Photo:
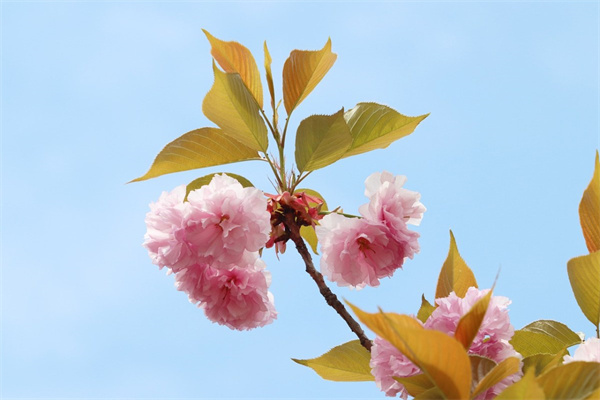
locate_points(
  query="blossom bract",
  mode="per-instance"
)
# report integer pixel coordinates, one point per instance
(589, 350)
(357, 252)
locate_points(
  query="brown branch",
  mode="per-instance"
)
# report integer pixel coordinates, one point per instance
(330, 297)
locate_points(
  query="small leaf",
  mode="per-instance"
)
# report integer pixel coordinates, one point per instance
(235, 58)
(205, 147)
(584, 274)
(302, 71)
(348, 362)
(543, 362)
(469, 324)
(231, 106)
(375, 126)
(441, 358)
(575, 380)
(455, 275)
(505, 368)
(415, 385)
(526, 388)
(308, 233)
(480, 367)
(425, 310)
(205, 180)
(589, 211)
(543, 337)
(268, 61)
(321, 140)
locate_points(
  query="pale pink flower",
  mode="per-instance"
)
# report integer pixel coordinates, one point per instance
(589, 350)
(225, 220)
(387, 362)
(165, 235)
(357, 252)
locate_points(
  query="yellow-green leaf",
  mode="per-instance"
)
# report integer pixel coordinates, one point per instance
(505, 368)
(575, 380)
(432, 394)
(455, 275)
(541, 363)
(308, 233)
(235, 58)
(480, 367)
(348, 362)
(302, 71)
(205, 147)
(589, 210)
(425, 310)
(231, 106)
(526, 388)
(441, 358)
(375, 126)
(268, 61)
(415, 385)
(321, 140)
(469, 324)
(584, 274)
(205, 180)
(543, 337)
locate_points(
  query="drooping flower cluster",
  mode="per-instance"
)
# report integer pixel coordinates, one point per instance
(359, 251)
(211, 243)
(589, 350)
(491, 342)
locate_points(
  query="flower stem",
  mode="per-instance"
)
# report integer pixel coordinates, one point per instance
(330, 297)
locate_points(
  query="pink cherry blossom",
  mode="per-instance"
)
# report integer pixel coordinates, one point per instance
(164, 238)
(225, 220)
(357, 252)
(589, 350)
(387, 362)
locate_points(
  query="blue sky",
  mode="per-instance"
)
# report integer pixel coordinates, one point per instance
(91, 91)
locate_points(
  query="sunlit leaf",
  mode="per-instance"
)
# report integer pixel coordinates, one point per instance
(308, 233)
(415, 385)
(425, 310)
(480, 367)
(348, 362)
(235, 58)
(505, 368)
(589, 211)
(302, 71)
(269, 74)
(205, 147)
(469, 324)
(205, 180)
(575, 380)
(231, 106)
(441, 357)
(526, 388)
(543, 337)
(541, 363)
(432, 394)
(321, 140)
(455, 275)
(584, 274)
(375, 126)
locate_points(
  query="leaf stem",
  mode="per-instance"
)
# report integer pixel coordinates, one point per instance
(273, 169)
(300, 180)
(273, 130)
(294, 232)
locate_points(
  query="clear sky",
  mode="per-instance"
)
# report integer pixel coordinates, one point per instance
(91, 91)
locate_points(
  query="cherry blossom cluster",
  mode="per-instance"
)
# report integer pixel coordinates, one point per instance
(211, 243)
(359, 251)
(491, 342)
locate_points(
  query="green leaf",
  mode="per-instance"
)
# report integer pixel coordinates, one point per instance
(575, 380)
(469, 324)
(543, 337)
(584, 274)
(232, 107)
(321, 140)
(348, 362)
(302, 71)
(480, 367)
(526, 388)
(432, 394)
(268, 61)
(505, 368)
(441, 358)
(541, 363)
(308, 233)
(415, 385)
(425, 310)
(205, 180)
(375, 126)
(455, 275)
(204, 147)
(589, 211)
(235, 58)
